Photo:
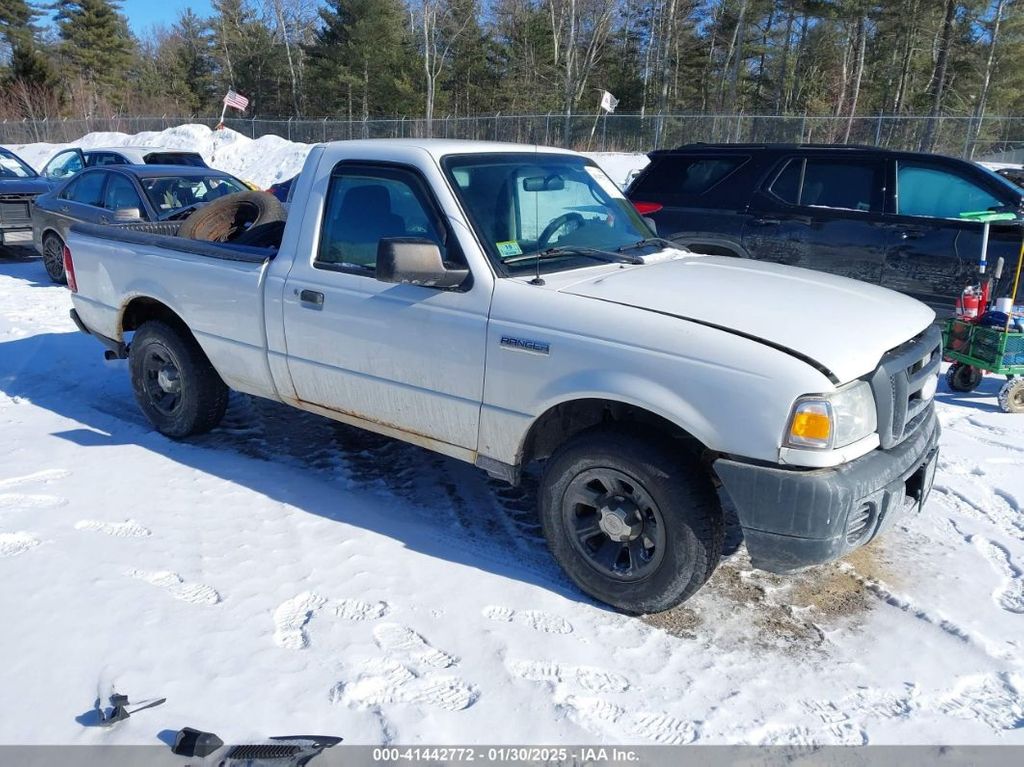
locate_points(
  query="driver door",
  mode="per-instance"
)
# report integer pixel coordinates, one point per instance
(406, 357)
(64, 164)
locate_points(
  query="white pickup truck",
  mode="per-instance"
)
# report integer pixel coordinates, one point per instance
(506, 305)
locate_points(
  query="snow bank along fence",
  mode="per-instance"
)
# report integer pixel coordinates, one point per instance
(958, 136)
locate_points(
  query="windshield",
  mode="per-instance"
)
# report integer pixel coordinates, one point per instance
(1006, 181)
(523, 204)
(173, 193)
(12, 167)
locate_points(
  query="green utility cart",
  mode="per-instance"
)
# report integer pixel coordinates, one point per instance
(976, 349)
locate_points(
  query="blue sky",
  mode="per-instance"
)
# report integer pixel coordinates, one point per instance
(142, 14)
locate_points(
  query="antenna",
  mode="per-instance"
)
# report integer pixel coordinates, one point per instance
(537, 279)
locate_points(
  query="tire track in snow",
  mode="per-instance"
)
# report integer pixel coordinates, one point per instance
(949, 628)
(489, 517)
(1010, 594)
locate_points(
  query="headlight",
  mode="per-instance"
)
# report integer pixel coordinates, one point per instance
(826, 421)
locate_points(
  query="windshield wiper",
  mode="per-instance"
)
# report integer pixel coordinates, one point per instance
(650, 241)
(570, 250)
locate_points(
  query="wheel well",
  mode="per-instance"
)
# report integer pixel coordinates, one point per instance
(716, 249)
(143, 309)
(565, 420)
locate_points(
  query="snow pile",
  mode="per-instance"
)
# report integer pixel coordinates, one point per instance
(264, 161)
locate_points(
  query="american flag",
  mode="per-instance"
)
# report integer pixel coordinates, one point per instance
(236, 100)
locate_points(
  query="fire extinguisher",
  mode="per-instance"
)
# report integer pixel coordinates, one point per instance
(969, 304)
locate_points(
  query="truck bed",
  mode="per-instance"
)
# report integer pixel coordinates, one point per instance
(215, 288)
(143, 234)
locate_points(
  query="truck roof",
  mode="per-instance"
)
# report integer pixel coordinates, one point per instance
(438, 147)
(159, 171)
(131, 148)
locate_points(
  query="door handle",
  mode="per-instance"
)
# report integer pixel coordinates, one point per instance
(64, 208)
(312, 298)
(766, 222)
(912, 234)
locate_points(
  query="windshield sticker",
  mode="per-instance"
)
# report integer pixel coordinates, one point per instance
(508, 248)
(604, 182)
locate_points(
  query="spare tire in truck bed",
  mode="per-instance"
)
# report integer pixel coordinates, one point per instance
(230, 216)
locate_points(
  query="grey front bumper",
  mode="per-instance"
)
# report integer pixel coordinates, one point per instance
(792, 518)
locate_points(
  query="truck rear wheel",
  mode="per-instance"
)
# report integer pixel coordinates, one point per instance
(175, 384)
(632, 522)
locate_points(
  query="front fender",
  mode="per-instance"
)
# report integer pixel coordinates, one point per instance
(629, 389)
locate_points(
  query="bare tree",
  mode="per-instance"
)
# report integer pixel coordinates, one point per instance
(440, 29)
(986, 82)
(937, 87)
(579, 31)
(862, 35)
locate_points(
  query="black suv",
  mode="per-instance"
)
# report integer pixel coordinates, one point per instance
(891, 218)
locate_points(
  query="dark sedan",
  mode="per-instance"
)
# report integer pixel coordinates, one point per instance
(157, 195)
(19, 186)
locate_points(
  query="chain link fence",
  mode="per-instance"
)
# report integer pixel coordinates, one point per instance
(958, 136)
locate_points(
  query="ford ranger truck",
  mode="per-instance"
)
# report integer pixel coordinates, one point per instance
(506, 305)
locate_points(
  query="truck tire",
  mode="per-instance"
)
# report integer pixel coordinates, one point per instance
(262, 235)
(1011, 396)
(230, 216)
(174, 383)
(963, 378)
(631, 522)
(53, 257)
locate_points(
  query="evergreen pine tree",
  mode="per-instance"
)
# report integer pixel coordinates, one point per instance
(97, 45)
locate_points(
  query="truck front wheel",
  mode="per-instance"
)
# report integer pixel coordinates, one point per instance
(175, 384)
(632, 522)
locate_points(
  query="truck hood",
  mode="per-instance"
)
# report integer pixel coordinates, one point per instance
(24, 186)
(841, 325)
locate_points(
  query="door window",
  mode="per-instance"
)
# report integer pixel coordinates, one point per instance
(366, 205)
(63, 165)
(121, 194)
(87, 189)
(94, 159)
(929, 191)
(827, 183)
(684, 175)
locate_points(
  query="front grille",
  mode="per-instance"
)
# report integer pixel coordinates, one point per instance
(15, 209)
(897, 384)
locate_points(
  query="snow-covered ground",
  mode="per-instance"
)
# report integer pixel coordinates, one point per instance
(287, 574)
(263, 161)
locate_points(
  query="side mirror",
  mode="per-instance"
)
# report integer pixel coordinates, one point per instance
(415, 261)
(651, 223)
(127, 214)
